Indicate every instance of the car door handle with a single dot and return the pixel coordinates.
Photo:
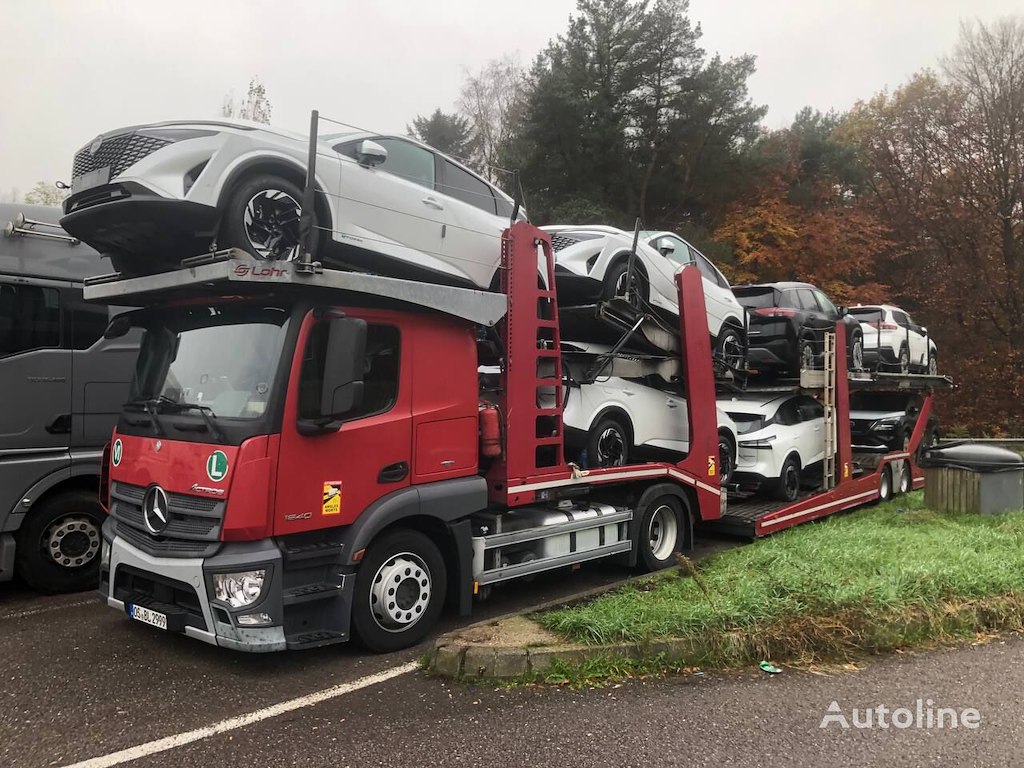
(432, 202)
(393, 473)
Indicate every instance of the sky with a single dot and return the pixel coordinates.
(75, 68)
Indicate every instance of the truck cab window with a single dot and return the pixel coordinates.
(380, 372)
(29, 318)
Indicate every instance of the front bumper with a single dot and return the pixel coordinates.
(128, 217)
(576, 289)
(181, 588)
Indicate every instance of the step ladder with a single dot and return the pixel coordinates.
(828, 400)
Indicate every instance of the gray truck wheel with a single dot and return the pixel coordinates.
(58, 545)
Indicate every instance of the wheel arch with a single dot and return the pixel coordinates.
(85, 477)
(688, 500)
(282, 166)
(618, 410)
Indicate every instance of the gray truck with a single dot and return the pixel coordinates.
(61, 388)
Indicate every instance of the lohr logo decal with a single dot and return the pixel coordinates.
(217, 466)
(116, 452)
(248, 270)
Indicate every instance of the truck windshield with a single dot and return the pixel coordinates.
(220, 358)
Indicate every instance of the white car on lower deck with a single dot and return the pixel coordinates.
(781, 440)
(615, 421)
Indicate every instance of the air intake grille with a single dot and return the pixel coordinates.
(117, 153)
(558, 242)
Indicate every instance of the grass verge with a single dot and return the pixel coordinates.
(884, 578)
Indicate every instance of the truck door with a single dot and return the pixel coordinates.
(35, 387)
(328, 479)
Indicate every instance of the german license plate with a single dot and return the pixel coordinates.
(90, 179)
(146, 616)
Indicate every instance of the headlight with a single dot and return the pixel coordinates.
(105, 554)
(239, 589)
(884, 425)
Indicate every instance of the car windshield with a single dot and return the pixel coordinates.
(755, 298)
(747, 422)
(223, 359)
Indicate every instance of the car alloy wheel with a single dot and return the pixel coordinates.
(611, 448)
(857, 353)
(904, 361)
(271, 222)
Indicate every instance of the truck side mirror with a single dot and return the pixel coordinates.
(342, 389)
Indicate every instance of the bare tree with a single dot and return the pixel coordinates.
(256, 105)
(45, 194)
(493, 100)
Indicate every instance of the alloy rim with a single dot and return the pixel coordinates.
(400, 592)
(271, 223)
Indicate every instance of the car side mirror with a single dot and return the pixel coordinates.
(342, 390)
(370, 154)
(843, 311)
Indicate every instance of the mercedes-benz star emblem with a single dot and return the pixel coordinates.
(95, 146)
(155, 512)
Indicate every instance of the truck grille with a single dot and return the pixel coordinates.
(193, 529)
(117, 153)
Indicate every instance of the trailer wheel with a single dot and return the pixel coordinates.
(787, 486)
(885, 484)
(609, 443)
(661, 534)
(58, 545)
(262, 218)
(903, 484)
(400, 589)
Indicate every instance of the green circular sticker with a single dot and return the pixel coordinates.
(217, 466)
(115, 453)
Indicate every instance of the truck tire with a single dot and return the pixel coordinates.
(261, 217)
(400, 591)
(885, 489)
(662, 533)
(58, 545)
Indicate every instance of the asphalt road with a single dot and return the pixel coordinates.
(79, 682)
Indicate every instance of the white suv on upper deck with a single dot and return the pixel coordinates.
(892, 339)
(150, 195)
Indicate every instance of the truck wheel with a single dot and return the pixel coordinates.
(262, 218)
(400, 589)
(787, 487)
(885, 485)
(661, 533)
(609, 443)
(58, 545)
(903, 482)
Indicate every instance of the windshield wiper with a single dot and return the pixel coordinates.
(149, 406)
(208, 417)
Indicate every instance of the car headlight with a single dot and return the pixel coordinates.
(885, 425)
(239, 589)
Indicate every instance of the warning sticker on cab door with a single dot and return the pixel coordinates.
(332, 499)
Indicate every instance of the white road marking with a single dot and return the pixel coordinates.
(234, 723)
(48, 609)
